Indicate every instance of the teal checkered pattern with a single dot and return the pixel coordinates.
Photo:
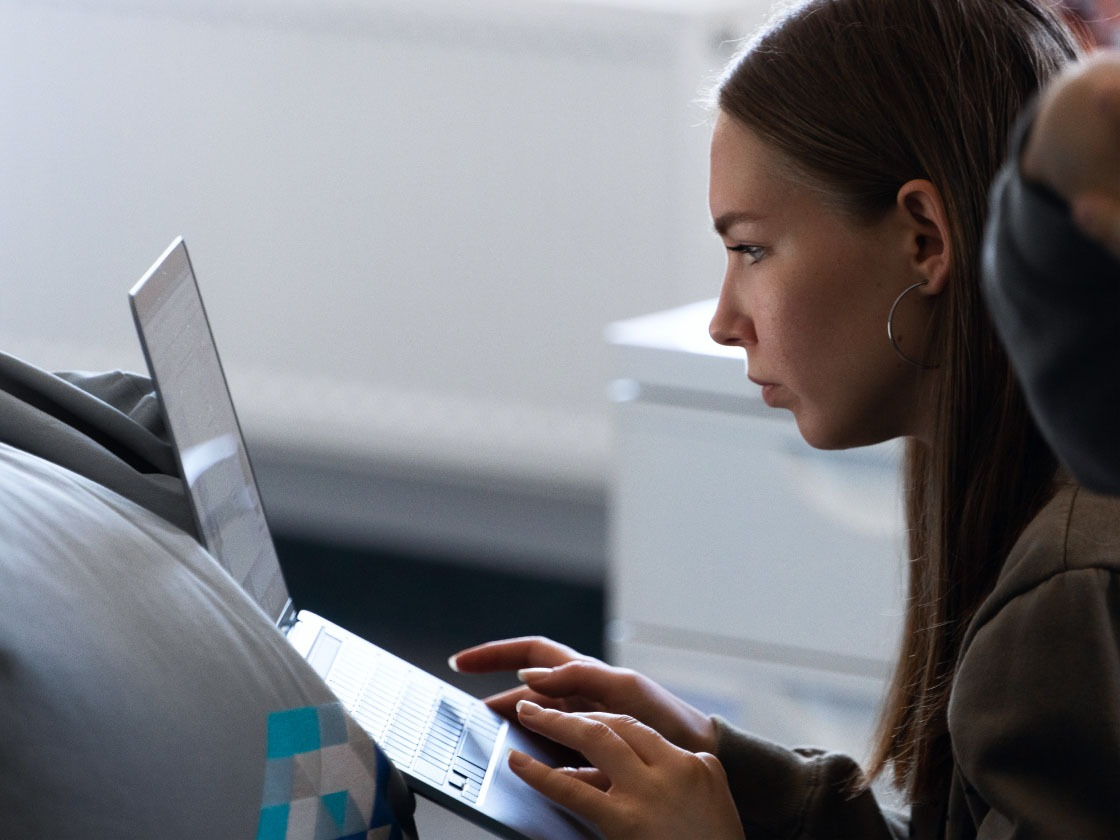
(324, 779)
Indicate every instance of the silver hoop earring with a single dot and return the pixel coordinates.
(890, 328)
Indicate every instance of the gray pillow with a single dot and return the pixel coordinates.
(142, 694)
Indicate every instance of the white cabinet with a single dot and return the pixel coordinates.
(759, 577)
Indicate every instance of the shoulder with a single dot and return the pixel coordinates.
(1055, 605)
(1076, 531)
(1033, 712)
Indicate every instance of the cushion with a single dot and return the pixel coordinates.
(142, 694)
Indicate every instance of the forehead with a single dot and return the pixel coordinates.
(747, 172)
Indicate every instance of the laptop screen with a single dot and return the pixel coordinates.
(187, 372)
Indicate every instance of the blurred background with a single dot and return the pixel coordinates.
(425, 231)
(411, 221)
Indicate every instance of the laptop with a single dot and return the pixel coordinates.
(449, 745)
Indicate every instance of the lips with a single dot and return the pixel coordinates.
(769, 390)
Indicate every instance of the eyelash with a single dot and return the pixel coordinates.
(754, 252)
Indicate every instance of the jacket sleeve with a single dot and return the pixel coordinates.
(801, 793)
(1054, 297)
(1035, 712)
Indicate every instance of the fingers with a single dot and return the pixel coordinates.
(612, 743)
(1108, 100)
(1103, 71)
(588, 775)
(505, 703)
(713, 766)
(641, 786)
(1072, 147)
(589, 801)
(582, 733)
(595, 681)
(1099, 217)
(1097, 209)
(591, 685)
(584, 790)
(513, 655)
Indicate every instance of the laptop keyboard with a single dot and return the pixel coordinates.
(423, 725)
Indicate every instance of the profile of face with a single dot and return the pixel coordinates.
(808, 290)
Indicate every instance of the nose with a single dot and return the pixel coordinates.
(731, 325)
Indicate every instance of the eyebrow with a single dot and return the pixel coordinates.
(732, 218)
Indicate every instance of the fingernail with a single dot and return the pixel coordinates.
(453, 663)
(518, 760)
(527, 708)
(528, 674)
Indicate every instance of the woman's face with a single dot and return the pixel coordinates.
(807, 294)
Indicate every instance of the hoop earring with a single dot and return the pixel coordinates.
(890, 328)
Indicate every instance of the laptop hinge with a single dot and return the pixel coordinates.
(288, 617)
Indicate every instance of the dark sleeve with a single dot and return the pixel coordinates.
(1054, 296)
(1035, 712)
(783, 793)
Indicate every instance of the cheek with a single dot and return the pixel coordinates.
(822, 345)
(812, 323)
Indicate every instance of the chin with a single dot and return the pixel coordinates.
(830, 437)
(816, 435)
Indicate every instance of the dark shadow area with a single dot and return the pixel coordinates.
(426, 608)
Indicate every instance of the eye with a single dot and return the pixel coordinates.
(753, 252)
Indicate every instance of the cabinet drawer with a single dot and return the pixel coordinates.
(790, 705)
(729, 525)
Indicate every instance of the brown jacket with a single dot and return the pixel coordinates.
(1034, 715)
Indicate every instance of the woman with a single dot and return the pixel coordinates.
(851, 156)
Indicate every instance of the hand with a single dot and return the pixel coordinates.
(640, 787)
(1074, 146)
(558, 677)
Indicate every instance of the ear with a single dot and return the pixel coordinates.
(927, 224)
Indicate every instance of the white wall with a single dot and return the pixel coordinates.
(410, 220)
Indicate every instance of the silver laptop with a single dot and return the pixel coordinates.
(449, 745)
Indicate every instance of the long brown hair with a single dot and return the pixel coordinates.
(862, 96)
